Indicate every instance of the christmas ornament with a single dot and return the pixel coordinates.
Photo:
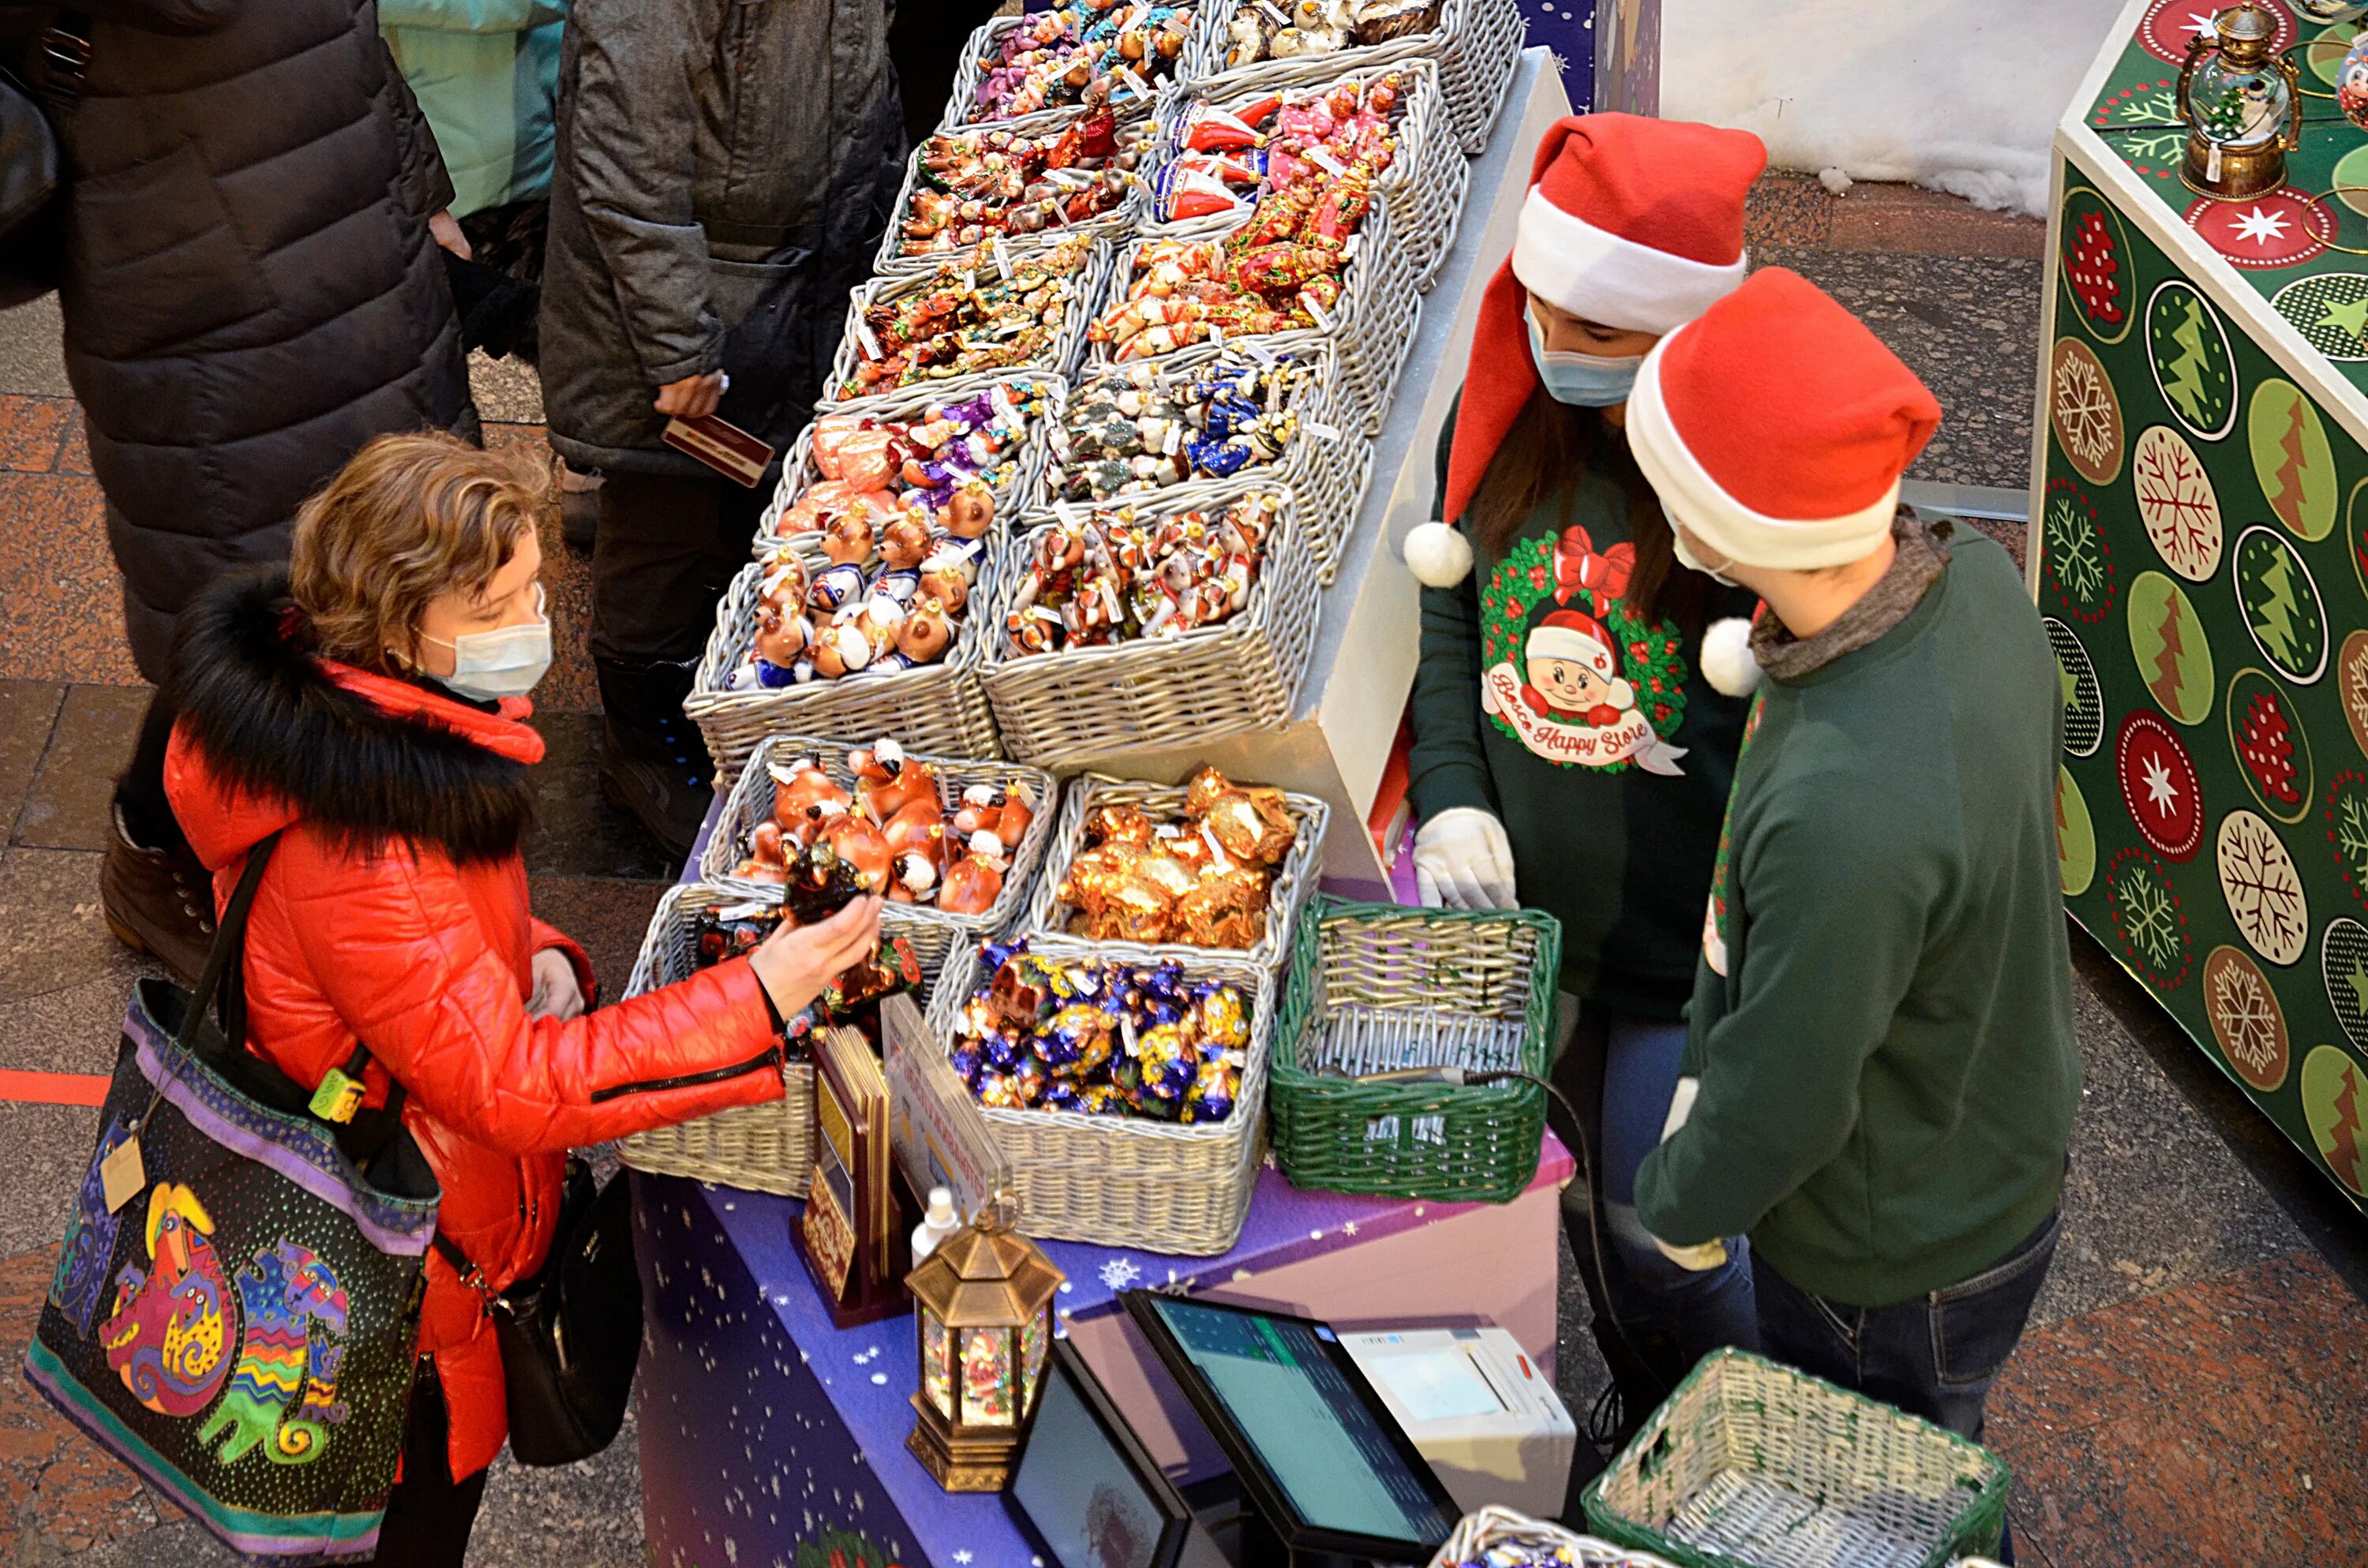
(2241, 105)
(970, 186)
(1125, 574)
(1088, 51)
(1202, 878)
(983, 1329)
(1304, 28)
(991, 308)
(1131, 428)
(1227, 159)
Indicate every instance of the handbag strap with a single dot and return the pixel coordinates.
(227, 958)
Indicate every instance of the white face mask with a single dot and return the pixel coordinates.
(504, 662)
(1688, 560)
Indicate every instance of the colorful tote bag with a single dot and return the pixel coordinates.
(235, 1308)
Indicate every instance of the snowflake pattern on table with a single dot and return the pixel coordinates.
(2278, 228)
(2074, 552)
(2094, 261)
(2280, 604)
(1118, 1273)
(2343, 969)
(2330, 311)
(2351, 686)
(2262, 888)
(2169, 25)
(2246, 1023)
(2176, 501)
(2141, 122)
(2084, 703)
(2148, 920)
(2084, 411)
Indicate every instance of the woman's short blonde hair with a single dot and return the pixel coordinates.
(409, 519)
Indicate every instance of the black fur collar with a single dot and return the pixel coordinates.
(269, 721)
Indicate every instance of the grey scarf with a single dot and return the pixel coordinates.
(1923, 550)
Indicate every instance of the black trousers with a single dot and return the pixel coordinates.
(139, 789)
(429, 1515)
(667, 548)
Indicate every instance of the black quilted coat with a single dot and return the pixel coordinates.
(250, 290)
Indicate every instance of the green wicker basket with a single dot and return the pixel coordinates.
(1380, 987)
(1750, 1465)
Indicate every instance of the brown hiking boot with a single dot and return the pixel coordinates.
(157, 901)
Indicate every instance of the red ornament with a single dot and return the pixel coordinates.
(2094, 269)
(2159, 786)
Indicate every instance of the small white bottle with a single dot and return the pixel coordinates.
(938, 1223)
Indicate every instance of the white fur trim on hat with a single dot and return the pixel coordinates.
(1725, 524)
(1568, 642)
(1727, 662)
(1611, 280)
(1438, 554)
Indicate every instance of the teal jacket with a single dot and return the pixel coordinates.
(487, 74)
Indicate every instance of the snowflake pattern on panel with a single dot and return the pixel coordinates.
(2147, 918)
(2246, 1022)
(2079, 562)
(2084, 412)
(2176, 501)
(2346, 814)
(2262, 888)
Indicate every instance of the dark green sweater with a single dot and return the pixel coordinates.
(1887, 1067)
(1618, 852)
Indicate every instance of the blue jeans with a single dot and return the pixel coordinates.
(1935, 1356)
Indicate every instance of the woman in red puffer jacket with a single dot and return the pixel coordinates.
(369, 705)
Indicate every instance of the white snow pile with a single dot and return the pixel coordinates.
(1961, 95)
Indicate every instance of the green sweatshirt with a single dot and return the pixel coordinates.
(1611, 796)
(1882, 1021)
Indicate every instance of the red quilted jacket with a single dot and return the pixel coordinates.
(395, 914)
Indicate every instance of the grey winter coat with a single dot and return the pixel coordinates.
(250, 291)
(724, 170)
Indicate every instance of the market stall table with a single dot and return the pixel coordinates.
(768, 1437)
(2199, 479)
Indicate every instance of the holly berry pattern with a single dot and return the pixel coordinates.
(2270, 745)
(1651, 657)
(2092, 266)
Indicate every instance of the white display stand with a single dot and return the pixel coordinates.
(1339, 740)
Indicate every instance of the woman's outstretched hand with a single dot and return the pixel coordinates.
(794, 964)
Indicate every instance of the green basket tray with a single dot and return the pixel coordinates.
(1750, 1465)
(1380, 986)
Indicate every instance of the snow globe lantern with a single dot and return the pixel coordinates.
(983, 1318)
(2242, 105)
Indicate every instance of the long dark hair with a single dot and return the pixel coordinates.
(1543, 457)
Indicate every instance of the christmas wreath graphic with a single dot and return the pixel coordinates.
(1590, 685)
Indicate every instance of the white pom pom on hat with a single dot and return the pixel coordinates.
(1726, 658)
(1440, 556)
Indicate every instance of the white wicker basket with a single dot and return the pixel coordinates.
(1426, 182)
(1293, 884)
(1085, 296)
(970, 70)
(1538, 1540)
(1061, 709)
(1476, 42)
(931, 930)
(1012, 496)
(1122, 1180)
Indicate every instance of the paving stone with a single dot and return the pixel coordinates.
(74, 1030)
(52, 937)
(61, 615)
(28, 711)
(578, 831)
(33, 430)
(608, 917)
(48, 1149)
(96, 730)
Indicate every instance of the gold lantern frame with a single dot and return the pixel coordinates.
(982, 1337)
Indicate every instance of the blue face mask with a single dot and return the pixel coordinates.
(1582, 381)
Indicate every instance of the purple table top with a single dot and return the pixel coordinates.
(869, 1371)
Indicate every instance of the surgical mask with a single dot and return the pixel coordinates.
(1688, 559)
(504, 662)
(1582, 381)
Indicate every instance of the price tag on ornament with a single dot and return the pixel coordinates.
(970, 280)
(1135, 84)
(1323, 321)
(865, 340)
(1000, 401)
(1326, 162)
(1002, 258)
(1356, 241)
(1175, 441)
(1216, 334)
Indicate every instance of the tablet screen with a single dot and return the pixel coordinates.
(1078, 1490)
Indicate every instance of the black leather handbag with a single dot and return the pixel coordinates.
(572, 1335)
(32, 226)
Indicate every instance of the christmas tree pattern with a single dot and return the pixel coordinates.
(2093, 267)
(2195, 381)
(2292, 459)
(2164, 684)
(2352, 684)
(2347, 829)
(2334, 1101)
(2282, 608)
(2286, 498)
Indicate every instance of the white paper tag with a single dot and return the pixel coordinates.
(1000, 401)
(1349, 251)
(970, 278)
(1002, 258)
(1326, 162)
(1217, 334)
(865, 340)
(121, 1174)
(1321, 432)
(1141, 88)
(1175, 440)
(1323, 321)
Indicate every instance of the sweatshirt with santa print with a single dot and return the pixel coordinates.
(1544, 697)
(1882, 1032)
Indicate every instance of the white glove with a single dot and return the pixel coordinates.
(1461, 861)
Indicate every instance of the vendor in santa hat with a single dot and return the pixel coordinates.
(1571, 753)
(1881, 1074)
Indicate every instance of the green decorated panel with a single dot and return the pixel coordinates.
(2202, 539)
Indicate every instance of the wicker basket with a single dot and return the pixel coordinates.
(1379, 987)
(970, 70)
(1135, 116)
(1061, 709)
(1753, 1465)
(1295, 879)
(931, 931)
(1536, 1540)
(1477, 44)
(1125, 1181)
(1426, 183)
(766, 1148)
(1325, 465)
(1068, 344)
(1371, 328)
(1011, 497)
(938, 709)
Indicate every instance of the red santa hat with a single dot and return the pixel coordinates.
(1632, 224)
(1578, 638)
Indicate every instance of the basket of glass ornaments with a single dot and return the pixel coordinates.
(1497, 1537)
(1307, 266)
(1074, 54)
(1147, 872)
(1033, 180)
(1222, 146)
(1378, 993)
(1475, 44)
(1753, 1463)
(968, 320)
(1181, 430)
(954, 842)
(764, 1148)
(1129, 1101)
(927, 446)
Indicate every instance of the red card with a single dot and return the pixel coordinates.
(728, 449)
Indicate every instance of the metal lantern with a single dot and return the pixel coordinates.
(2242, 105)
(983, 1315)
